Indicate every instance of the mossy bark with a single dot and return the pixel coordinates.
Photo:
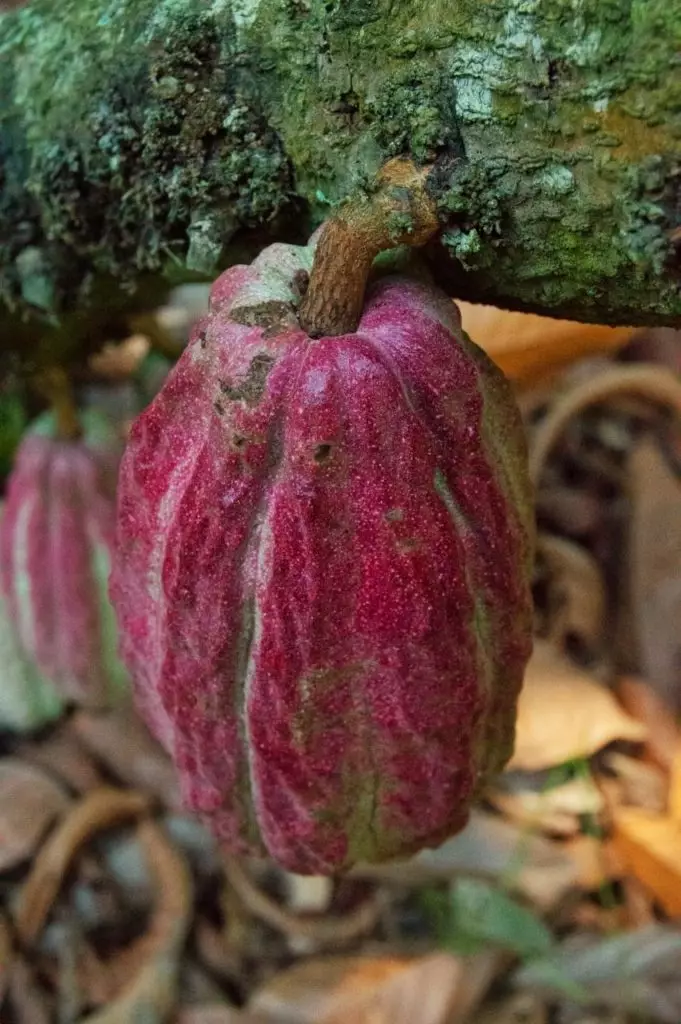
(143, 138)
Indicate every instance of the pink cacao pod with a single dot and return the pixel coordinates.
(56, 536)
(322, 570)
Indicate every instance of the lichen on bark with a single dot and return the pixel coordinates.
(143, 135)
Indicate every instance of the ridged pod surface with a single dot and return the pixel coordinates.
(56, 535)
(322, 570)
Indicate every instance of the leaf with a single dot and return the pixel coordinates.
(655, 568)
(435, 989)
(121, 741)
(650, 848)
(152, 993)
(557, 809)
(637, 971)
(29, 802)
(532, 865)
(529, 347)
(675, 787)
(641, 701)
(27, 699)
(100, 809)
(481, 914)
(565, 714)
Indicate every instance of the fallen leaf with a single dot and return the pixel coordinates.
(29, 1002)
(642, 785)
(675, 787)
(216, 1013)
(528, 347)
(493, 848)
(557, 809)
(595, 859)
(655, 568)
(436, 989)
(152, 993)
(61, 754)
(6, 956)
(321, 930)
(565, 714)
(650, 848)
(637, 971)
(29, 802)
(121, 742)
(523, 1008)
(576, 593)
(641, 701)
(478, 915)
(100, 809)
(119, 360)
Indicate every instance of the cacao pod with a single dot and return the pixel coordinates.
(27, 700)
(322, 570)
(55, 546)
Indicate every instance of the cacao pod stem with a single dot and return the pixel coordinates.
(399, 212)
(55, 386)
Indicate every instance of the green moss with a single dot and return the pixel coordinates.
(143, 134)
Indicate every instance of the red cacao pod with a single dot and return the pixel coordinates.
(322, 570)
(56, 536)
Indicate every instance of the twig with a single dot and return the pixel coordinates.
(336, 931)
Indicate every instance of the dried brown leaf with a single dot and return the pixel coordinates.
(642, 785)
(650, 848)
(6, 956)
(152, 993)
(655, 568)
(529, 347)
(577, 592)
(565, 713)
(62, 754)
(123, 744)
(642, 702)
(101, 809)
(29, 1002)
(492, 848)
(29, 802)
(217, 1013)
(523, 1008)
(435, 989)
(557, 810)
(675, 787)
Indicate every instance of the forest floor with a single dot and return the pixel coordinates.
(556, 905)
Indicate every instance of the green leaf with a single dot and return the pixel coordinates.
(482, 915)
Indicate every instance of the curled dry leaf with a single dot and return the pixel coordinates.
(119, 360)
(565, 714)
(529, 347)
(655, 568)
(217, 1013)
(61, 754)
(6, 956)
(642, 702)
(577, 594)
(30, 800)
(653, 383)
(642, 785)
(636, 971)
(121, 742)
(675, 787)
(152, 993)
(101, 809)
(493, 848)
(558, 809)
(323, 931)
(650, 848)
(435, 989)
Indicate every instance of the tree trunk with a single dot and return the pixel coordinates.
(142, 138)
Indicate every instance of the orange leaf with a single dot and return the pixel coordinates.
(564, 714)
(528, 347)
(675, 787)
(650, 848)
